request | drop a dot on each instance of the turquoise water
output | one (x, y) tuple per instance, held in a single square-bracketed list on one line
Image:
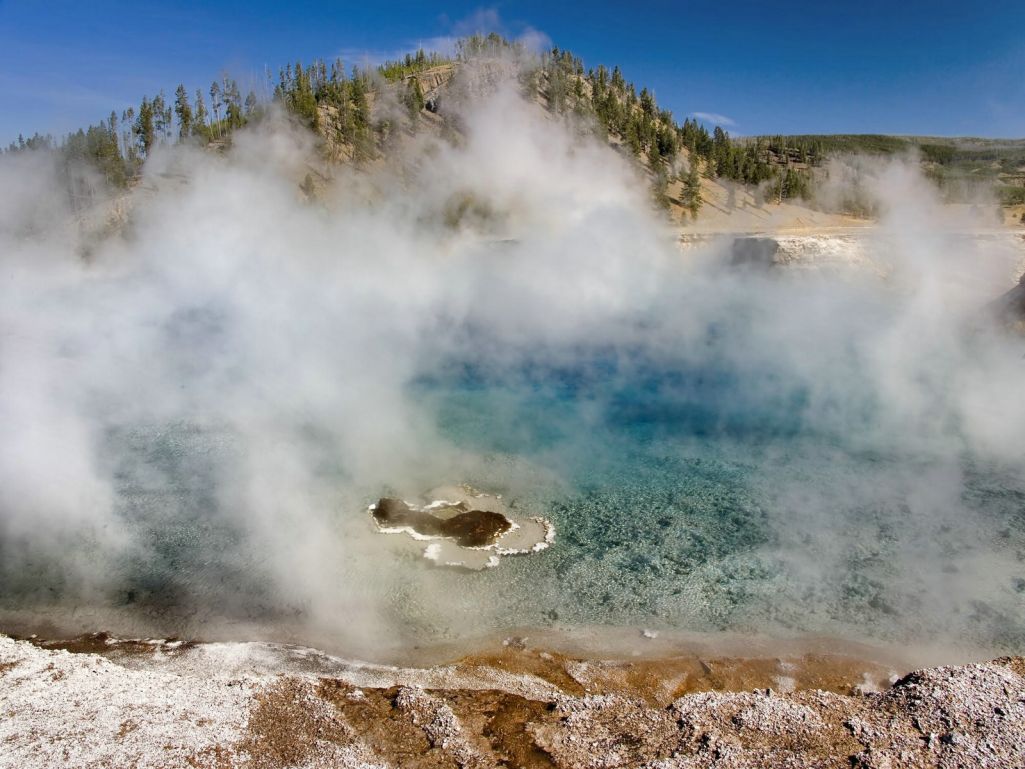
[(709, 497), (733, 476)]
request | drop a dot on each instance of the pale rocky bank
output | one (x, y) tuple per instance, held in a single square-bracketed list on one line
[(173, 704)]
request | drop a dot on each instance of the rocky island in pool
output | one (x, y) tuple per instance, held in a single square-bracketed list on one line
[(467, 528)]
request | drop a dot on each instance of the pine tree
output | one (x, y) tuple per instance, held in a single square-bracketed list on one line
[(720, 160), (660, 189), (414, 98), (647, 102), (112, 125), (157, 107), (215, 105), (361, 138), (184, 112), (654, 158), (692, 188), (199, 127), (128, 129), (167, 118), (233, 102), (144, 128), (296, 91), (617, 79)]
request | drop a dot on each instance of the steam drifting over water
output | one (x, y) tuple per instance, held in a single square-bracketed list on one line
[(198, 408)]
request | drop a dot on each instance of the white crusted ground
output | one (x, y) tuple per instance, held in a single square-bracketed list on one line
[(59, 709), (216, 706)]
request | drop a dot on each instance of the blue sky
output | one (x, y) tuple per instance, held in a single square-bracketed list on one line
[(901, 66)]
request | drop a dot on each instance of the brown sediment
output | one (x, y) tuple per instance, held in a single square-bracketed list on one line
[(288, 726), (924, 721), (1017, 664), (467, 528), (656, 679), (548, 666), (105, 644), (660, 680), (372, 714), (505, 720)]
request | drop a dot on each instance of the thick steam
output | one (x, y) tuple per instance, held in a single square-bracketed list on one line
[(199, 404)]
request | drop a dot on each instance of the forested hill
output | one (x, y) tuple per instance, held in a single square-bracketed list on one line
[(354, 113), (342, 106)]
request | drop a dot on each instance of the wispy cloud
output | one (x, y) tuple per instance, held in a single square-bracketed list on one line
[(371, 57), (714, 117), (480, 22), (485, 20)]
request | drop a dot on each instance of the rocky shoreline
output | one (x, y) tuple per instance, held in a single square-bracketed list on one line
[(150, 703)]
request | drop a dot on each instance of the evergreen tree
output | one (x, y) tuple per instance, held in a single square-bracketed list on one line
[(361, 138), (129, 149), (199, 127), (215, 105), (414, 98), (793, 185), (113, 127), (721, 152), (168, 118), (183, 111), (296, 90), (660, 189), (96, 147), (144, 128), (654, 158), (647, 102), (233, 102), (158, 109), (692, 188), (617, 79)]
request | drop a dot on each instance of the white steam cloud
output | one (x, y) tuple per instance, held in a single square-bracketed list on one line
[(230, 373)]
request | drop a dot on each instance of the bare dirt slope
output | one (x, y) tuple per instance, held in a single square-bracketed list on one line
[(736, 208)]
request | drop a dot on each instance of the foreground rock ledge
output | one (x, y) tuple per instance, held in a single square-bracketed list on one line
[(59, 708)]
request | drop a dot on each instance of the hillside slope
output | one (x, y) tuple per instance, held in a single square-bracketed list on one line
[(704, 180)]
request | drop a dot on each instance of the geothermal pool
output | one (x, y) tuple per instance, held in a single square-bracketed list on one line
[(720, 445), (688, 498), (746, 479)]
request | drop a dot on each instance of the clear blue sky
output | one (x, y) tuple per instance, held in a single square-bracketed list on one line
[(900, 66)]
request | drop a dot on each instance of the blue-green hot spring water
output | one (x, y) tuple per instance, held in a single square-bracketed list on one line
[(698, 498), (717, 482)]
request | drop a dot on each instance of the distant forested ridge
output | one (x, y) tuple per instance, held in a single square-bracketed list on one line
[(958, 165), (338, 104)]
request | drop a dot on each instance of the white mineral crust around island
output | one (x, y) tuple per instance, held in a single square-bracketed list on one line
[(465, 528)]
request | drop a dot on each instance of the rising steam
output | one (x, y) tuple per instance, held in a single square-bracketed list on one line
[(197, 403)]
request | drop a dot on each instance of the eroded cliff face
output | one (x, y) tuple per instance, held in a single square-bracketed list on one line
[(160, 704)]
